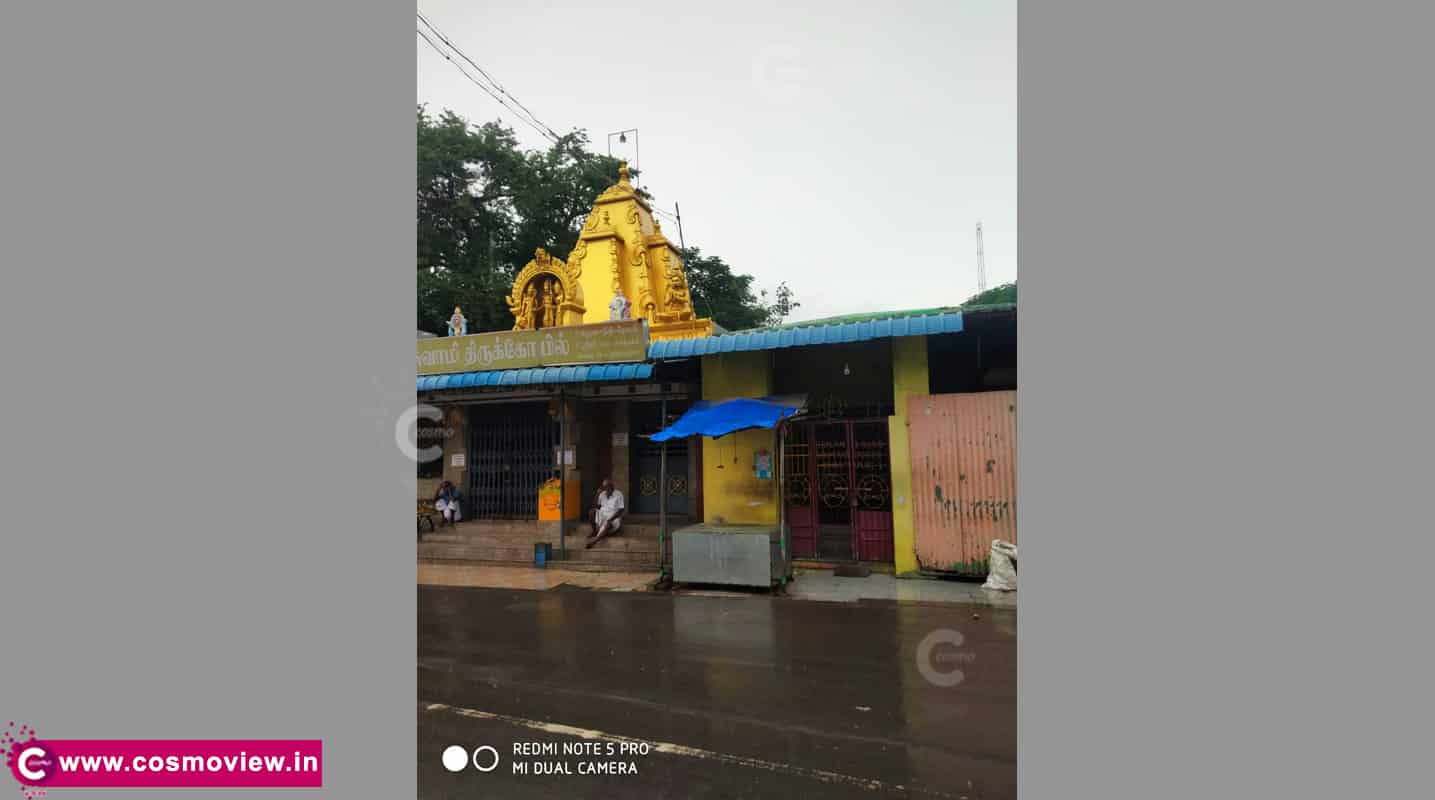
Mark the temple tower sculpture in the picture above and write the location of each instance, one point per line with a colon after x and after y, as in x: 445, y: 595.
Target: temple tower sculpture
x: 621, y: 252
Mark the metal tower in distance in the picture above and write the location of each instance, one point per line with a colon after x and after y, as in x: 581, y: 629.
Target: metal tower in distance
x: 981, y: 263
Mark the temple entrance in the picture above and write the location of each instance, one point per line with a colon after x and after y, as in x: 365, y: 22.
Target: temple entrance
x: 837, y: 490
x: 511, y: 454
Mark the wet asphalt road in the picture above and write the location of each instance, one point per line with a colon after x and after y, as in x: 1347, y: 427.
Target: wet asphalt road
x: 715, y: 696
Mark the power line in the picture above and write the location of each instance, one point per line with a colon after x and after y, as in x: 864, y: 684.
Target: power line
x: 537, y: 126
x: 526, y: 115
x: 488, y: 91
x: 484, y: 73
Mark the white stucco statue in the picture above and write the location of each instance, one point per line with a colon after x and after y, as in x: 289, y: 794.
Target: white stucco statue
x: 457, y: 325
x: 620, y: 308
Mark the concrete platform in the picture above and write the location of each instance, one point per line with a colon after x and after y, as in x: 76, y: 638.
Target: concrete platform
x: 813, y: 585
x: 823, y: 585
x: 506, y: 577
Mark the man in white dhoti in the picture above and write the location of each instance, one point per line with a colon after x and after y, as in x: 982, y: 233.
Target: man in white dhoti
x: 607, y: 512
x: 445, y: 502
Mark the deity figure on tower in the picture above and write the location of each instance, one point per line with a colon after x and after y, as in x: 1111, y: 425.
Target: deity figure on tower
x: 620, y: 308
x: 550, y: 304
x: 527, y: 309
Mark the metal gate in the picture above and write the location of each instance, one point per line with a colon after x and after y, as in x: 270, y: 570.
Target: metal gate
x: 647, y: 459
x: 512, y: 452
x: 838, y: 490
x: 963, y: 478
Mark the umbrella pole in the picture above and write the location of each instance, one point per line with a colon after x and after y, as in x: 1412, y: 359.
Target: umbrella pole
x: 781, y: 504
x: 562, y: 478
x: 662, y: 489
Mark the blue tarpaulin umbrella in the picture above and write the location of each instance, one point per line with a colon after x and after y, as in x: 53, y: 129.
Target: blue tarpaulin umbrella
x: 721, y: 417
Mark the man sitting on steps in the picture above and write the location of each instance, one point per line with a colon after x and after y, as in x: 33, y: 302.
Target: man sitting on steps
x: 607, y: 512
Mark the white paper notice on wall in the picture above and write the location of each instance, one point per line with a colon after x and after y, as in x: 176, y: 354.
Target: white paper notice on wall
x: 457, y: 460
x: 620, y: 439
x: 568, y: 458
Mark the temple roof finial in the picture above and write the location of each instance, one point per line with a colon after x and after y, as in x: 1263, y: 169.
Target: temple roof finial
x: 622, y: 172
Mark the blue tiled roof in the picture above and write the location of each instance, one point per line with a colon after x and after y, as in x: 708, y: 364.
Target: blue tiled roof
x: 836, y: 333
x: 538, y: 375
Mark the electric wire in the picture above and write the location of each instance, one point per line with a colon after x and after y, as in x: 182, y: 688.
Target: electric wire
x: 527, y: 115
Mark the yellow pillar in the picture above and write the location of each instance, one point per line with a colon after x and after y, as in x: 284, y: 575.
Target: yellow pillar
x: 731, y: 490
x: 909, y: 378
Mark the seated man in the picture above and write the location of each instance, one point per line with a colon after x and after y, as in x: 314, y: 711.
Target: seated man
x: 607, y: 512
x: 445, y: 502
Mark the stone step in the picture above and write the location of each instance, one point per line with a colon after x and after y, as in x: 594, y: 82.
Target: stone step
x: 537, y: 531
x: 526, y: 542
x: 510, y: 542
x: 610, y: 545
x: 509, y: 557
x: 597, y: 557
x: 582, y: 566
x: 649, y: 538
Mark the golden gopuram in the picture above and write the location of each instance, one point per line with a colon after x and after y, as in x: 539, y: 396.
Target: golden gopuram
x: 623, y: 267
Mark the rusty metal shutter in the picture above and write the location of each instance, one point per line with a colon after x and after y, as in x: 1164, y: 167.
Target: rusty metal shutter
x: 963, y: 477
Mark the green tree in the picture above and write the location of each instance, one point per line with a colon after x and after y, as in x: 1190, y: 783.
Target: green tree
x: 467, y: 177
x: 718, y: 293
x: 781, y: 306
x: 997, y: 295
x: 484, y: 206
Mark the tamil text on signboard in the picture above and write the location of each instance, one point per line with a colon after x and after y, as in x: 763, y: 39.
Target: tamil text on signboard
x: 599, y: 343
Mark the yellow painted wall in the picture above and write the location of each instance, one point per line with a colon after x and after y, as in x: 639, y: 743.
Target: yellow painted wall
x: 730, y: 490
x: 597, y: 279
x: 909, y: 377
x: 619, y: 230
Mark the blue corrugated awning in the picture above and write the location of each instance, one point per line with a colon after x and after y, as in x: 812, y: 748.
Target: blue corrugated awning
x: 835, y: 333
x: 538, y: 375
x: 721, y: 417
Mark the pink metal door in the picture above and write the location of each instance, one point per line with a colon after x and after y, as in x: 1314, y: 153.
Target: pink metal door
x: 837, y: 490
x: 871, y: 494
x: 963, y: 478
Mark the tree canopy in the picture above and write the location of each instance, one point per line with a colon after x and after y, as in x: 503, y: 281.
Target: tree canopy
x: 485, y: 205
x: 997, y: 295
x: 728, y: 298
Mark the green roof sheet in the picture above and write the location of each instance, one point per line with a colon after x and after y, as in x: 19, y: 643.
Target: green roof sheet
x: 876, y: 315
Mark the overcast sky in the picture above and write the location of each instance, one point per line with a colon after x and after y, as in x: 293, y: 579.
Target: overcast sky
x: 850, y: 154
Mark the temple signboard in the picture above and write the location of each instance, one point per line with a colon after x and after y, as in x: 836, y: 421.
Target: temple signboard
x: 598, y: 343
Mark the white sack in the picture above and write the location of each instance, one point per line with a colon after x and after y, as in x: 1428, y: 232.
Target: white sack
x: 1001, y: 574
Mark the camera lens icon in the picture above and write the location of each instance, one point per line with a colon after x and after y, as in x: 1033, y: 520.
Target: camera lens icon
x: 455, y: 758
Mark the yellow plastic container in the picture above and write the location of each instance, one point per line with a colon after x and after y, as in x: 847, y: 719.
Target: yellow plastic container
x: 548, y: 495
